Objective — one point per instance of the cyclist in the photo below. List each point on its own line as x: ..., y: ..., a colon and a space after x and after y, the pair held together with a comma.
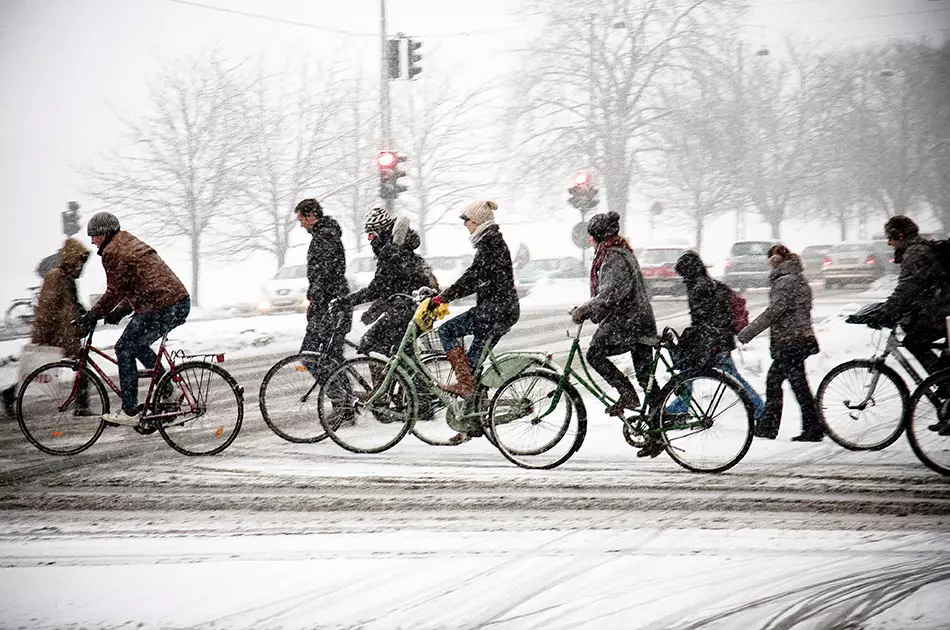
x: 491, y: 278
x: 399, y: 269
x: 58, y: 306
x: 709, y: 312
x: 138, y: 282
x: 792, y: 341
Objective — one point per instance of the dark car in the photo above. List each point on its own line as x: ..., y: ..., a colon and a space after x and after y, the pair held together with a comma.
x: 659, y: 275
x: 747, y: 264
x: 813, y: 259
x: 857, y: 262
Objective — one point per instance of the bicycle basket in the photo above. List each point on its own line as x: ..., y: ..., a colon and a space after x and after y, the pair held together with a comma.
x: 429, y: 342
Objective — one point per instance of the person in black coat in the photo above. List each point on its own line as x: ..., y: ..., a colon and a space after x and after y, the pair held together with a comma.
x: 491, y: 278
x: 399, y: 270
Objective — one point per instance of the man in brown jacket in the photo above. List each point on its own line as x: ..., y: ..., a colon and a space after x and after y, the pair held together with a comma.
x: 138, y: 282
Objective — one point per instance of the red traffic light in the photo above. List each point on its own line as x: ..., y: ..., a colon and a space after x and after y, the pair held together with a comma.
x: 581, y: 178
x: 387, y: 159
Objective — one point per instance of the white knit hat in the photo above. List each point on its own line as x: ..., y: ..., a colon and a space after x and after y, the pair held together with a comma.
x: 479, y: 212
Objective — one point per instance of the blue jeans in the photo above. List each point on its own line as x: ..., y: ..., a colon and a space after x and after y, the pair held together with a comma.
x: 144, y: 330
x: 725, y: 363
x: 452, y: 332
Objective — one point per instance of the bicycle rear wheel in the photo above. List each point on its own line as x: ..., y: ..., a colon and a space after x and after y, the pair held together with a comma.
x: 535, y: 421
x: 48, y: 414
x: 431, y: 426
x: 862, y: 405
x: 929, y: 413
x: 206, y: 411
x: 351, y: 421
x: 715, y: 432
x: 289, y: 400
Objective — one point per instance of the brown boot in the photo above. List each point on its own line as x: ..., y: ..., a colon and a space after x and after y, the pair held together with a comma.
x: 465, y: 385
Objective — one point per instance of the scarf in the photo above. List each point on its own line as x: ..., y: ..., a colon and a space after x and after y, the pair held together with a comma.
x: 599, y: 254
x: 480, y: 231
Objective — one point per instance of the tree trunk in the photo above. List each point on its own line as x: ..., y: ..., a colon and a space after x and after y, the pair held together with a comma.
x: 195, y: 268
x: 699, y: 231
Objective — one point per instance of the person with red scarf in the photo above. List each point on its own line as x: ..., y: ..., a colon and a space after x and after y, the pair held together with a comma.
x: 620, y: 306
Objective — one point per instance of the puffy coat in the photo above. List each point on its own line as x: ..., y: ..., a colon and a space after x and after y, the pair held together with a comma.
x: 326, y: 266
x: 789, y: 311
x: 621, y: 307
x: 921, y: 299
x: 136, y: 277
x: 709, y: 304
x: 491, y: 277
x: 59, y: 303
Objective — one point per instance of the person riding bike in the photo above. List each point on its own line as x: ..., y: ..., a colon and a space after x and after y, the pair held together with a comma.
x: 620, y: 306
x: 138, y: 282
x: 491, y: 277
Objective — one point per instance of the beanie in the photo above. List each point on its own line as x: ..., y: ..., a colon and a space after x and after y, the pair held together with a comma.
x: 690, y: 265
x: 102, y: 224
x: 378, y: 220
x: 603, y: 226
x: 479, y: 212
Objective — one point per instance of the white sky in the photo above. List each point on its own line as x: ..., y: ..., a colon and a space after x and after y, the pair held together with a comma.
x: 69, y: 69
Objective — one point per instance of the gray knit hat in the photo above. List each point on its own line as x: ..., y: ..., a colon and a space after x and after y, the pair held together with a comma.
x: 479, y: 212
x: 377, y: 220
x: 102, y: 224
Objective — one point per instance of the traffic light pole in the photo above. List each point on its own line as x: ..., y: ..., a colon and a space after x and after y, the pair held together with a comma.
x: 384, y: 114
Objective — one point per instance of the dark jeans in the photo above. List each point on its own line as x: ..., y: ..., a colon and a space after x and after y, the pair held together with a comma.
x: 920, y: 344
x: 386, y: 332
x: 143, y: 330
x: 452, y: 332
x: 642, y: 355
x: 788, y: 366
x: 724, y: 362
x: 325, y: 335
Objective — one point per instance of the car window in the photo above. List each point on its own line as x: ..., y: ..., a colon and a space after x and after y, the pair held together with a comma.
x: 751, y: 248
x: 816, y: 250
x: 296, y: 271
x: 660, y: 256
x: 845, y: 248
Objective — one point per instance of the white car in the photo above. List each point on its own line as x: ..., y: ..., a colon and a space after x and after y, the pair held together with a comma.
x: 360, y: 271
x: 286, y: 291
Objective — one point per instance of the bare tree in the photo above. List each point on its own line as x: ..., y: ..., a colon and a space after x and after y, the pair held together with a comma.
x: 182, y: 161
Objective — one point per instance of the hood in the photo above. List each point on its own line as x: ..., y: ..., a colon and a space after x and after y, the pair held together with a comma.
x: 900, y: 249
x: 787, y: 267
x: 404, y: 236
x: 690, y: 266
x: 327, y: 227
x: 72, y: 257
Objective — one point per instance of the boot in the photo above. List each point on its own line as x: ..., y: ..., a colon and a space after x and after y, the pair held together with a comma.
x: 812, y: 429
x: 82, y: 400
x: 628, y: 400
x: 465, y: 382
x: 766, y: 427
x: 9, y: 397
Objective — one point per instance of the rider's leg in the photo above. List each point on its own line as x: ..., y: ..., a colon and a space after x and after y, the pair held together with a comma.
x: 725, y: 363
x: 451, y: 333
x: 642, y: 356
x: 597, y: 356
x: 920, y: 344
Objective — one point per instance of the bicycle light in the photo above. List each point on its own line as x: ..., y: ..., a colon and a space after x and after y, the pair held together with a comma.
x: 219, y: 357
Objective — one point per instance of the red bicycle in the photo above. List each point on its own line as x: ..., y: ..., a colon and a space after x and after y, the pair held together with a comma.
x: 60, y: 405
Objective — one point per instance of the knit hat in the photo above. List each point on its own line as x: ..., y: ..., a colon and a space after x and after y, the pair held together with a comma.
x: 309, y: 207
x: 603, y: 226
x: 378, y: 220
x: 479, y: 212
x: 690, y: 266
x: 102, y: 224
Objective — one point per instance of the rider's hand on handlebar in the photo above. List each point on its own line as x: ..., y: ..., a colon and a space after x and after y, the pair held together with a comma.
x: 436, y: 302
x: 85, y: 323
x: 579, y: 314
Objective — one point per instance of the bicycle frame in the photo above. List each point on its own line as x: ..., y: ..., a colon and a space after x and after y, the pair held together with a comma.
x: 892, y: 347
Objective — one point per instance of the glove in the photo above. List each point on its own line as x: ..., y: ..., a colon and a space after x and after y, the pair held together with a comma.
x: 579, y: 314
x: 369, y: 316
x: 436, y: 302
x: 116, y: 315
x: 85, y: 323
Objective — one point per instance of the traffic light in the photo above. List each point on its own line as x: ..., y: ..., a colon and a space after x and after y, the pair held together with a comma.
x: 393, y: 65
x: 583, y: 192
x: 413, y: 59
x: 71, y: 219
x: 389, y: 174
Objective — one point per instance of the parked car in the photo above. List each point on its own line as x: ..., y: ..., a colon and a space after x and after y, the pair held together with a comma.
x: 747, y: 264
x: 857, y: 262
x: 539, y: 269
x: 657, y: 265
x: 813, y: 259
x: 286, y: 291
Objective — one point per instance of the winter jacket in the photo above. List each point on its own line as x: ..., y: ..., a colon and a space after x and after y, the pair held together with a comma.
x: 136, y: 277
x: 921, y: 299
x: 491, y: 277
x: 326, y: 265
x: 789, y: 310
x: 709, y: 303
x: 621, y: 307
x: 59, y: 302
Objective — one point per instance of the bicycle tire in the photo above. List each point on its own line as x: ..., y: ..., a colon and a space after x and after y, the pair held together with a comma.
x: 19, y: 316
x: 349, y: 422
x: 516, y: 400
x: 193, y: 431
x: 931, y: 448
x: 716, y: 435
x: 293, y: 415
x: 431, y: 425
x: 38, y: 415
x: 868, y: 430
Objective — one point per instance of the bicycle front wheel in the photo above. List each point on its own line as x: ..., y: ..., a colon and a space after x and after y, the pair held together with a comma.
x: 535, y: 421
x: 715, y: 431
x: 862, y: 405
x: 289, y: 400
x: 432, y: 424
x: 929, y: 417
x: 205, y: 413
x: 52, y: 414
x: 362, y: 415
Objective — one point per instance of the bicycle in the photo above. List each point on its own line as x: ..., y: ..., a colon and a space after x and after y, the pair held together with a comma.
x: 21, y: 313
x: 375, y: 401
x: 863, y: 403
x: 928, y: 423
x: 713, y: 435
x: 191, y: 417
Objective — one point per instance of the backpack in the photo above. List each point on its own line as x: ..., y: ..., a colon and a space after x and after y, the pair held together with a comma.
x: 737, y: 310
x: 941, y: 250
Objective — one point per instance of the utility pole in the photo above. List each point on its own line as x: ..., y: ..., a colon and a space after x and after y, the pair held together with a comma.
x: 386, y: 140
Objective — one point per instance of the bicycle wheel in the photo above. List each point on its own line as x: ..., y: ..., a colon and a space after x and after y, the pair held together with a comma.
x: 48, y: 414
x: 862, y: 405
x: 19, y: 317
x: 289, y: 401
x: 207, y: 409
x: 715, y: 433
x: 535, y: 421
x: 431, y: 425
x: 928, y: 410
x: 348, y: 417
